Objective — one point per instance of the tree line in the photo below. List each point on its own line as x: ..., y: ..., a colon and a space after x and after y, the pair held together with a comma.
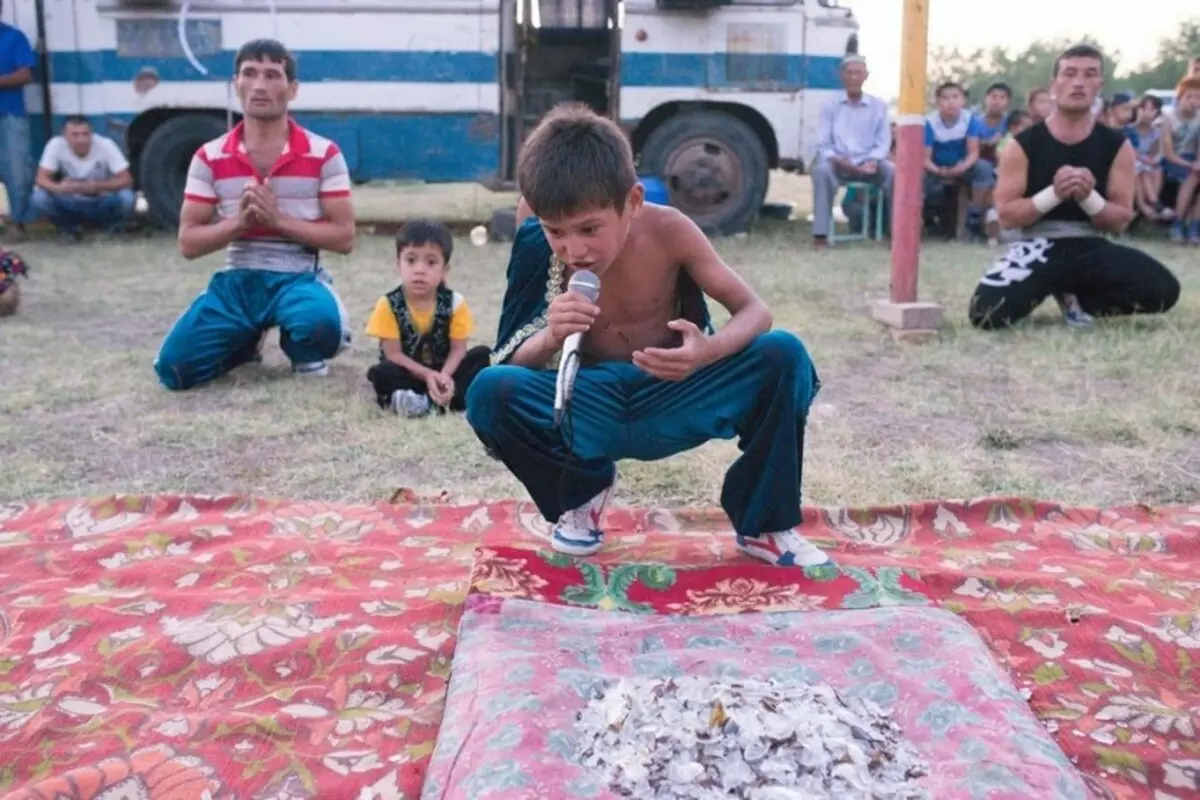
x: 1033, y: 66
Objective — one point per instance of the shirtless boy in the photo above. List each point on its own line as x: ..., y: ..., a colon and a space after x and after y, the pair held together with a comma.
x: 655, y: 379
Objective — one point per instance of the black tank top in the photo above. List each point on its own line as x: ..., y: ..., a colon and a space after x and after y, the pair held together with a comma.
x: 1047, y: 155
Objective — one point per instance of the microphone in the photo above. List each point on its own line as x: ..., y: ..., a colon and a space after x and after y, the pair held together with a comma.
x: 586, y: 283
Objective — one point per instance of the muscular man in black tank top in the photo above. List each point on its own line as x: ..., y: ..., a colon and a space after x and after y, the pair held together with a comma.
x: 1066, y: 183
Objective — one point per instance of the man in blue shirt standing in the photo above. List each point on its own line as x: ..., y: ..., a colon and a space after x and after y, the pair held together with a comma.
x: 952, y: 137
x: 16, y: 161
x: 854, y: 138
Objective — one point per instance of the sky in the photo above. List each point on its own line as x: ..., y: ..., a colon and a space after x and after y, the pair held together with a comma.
x: 1012, y: 24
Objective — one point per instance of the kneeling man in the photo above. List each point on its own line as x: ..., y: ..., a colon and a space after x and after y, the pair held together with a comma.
x: 273, y: 194
x: 83, y: 180
x: 654, y: 379
x: 1067, y: 182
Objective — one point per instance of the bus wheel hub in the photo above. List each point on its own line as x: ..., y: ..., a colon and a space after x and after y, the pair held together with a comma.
x: 702, y: 175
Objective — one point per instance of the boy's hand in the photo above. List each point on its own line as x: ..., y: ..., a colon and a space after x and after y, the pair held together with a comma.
x: 570, y: 313
x: 440, y: 387
x: 676, y: 363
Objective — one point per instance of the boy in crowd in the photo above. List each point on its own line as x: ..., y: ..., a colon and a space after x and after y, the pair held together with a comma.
x: 423, y: 327
x: 952, y: 138
x: 1180, y: 144
x: 1122, y: 111
x: 993, y: 124
x: 654, y: 379
x: 1039, y: 104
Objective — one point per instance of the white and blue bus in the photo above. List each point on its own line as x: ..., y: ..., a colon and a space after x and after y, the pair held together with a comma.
x: 713, y: 93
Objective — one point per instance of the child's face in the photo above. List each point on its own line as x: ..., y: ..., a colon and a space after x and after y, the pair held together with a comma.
x: 950, y: 102
x: 1124, y: 113
x: 1022, y: 124
x: 1190, y: 100
x: 1041, y: 106
x: 996, y: 101
x: 422, y: 268
x: 1147, y: 113
x: 592, y: 239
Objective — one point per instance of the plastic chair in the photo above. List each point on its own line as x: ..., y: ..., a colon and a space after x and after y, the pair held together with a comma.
x: 872, y: 195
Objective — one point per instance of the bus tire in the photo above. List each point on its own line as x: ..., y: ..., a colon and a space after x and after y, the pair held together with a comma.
x: 165, y: 158
x: 714, y: 167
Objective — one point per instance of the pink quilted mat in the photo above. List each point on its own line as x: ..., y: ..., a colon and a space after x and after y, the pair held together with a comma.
x: 524, y: 669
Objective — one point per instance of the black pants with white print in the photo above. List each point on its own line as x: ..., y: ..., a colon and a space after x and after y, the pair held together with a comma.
x: 1108, y: 280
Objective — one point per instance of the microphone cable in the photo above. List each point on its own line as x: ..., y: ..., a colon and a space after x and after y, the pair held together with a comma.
x: 567, y: 432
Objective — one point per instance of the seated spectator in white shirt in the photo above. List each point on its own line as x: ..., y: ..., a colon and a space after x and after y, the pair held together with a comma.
x: 83, y: 180
x: 854, y: 139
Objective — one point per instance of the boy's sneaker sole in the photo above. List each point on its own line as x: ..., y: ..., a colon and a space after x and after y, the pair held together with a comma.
x: 577, y: 547
x: 316, y: 368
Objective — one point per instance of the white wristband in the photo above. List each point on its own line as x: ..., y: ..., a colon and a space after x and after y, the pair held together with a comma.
x: 1094, y: 204
x: 1046, y: 200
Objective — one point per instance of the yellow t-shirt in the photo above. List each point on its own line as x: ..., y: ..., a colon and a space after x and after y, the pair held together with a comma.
x: 384, y: 325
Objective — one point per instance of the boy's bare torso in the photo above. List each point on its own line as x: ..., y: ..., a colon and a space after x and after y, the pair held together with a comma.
x: 639, y: 292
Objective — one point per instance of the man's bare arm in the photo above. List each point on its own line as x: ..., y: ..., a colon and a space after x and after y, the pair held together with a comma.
x: 16, y: 79
x: 122, y: 180
x: 335, y: 233
x: 1015, y: 210
x: 749, y: 315
x: 1118, y: 211
x: 45, y: 180
x: 199, y: 235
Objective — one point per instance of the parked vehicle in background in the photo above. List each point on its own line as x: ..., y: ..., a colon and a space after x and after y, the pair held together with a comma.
x: 713, y: 93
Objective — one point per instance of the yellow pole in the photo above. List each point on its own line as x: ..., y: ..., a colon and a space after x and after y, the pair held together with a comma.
x: 913, y: 56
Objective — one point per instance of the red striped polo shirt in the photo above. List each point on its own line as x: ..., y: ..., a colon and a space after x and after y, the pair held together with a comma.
x: 310, y: 168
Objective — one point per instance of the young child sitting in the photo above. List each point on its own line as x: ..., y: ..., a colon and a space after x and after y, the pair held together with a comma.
x: 654, y: 380
x: 1146, y: 137
x: 423, y: 327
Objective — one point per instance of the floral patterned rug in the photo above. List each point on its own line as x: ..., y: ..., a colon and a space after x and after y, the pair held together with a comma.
x: 184, y: 647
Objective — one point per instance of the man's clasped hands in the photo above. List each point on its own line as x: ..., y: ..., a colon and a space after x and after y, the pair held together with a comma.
x: 258, y: 206
x: 1074, y: 183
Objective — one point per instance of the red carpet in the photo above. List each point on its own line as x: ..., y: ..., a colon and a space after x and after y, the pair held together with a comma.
x: 166, y: 647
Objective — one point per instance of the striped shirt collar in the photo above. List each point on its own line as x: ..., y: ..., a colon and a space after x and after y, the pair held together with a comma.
x: 296, y: 144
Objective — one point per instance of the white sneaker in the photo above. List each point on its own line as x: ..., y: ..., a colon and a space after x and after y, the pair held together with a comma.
x: 785, y: 549
x: 578, y: 532
x: 408, y: 403
x: 317, y: 368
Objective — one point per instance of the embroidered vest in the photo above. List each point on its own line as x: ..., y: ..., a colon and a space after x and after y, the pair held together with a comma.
x: 430, y: 349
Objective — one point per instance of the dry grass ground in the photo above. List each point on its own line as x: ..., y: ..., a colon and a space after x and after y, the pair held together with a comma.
x: 1110, y: 415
